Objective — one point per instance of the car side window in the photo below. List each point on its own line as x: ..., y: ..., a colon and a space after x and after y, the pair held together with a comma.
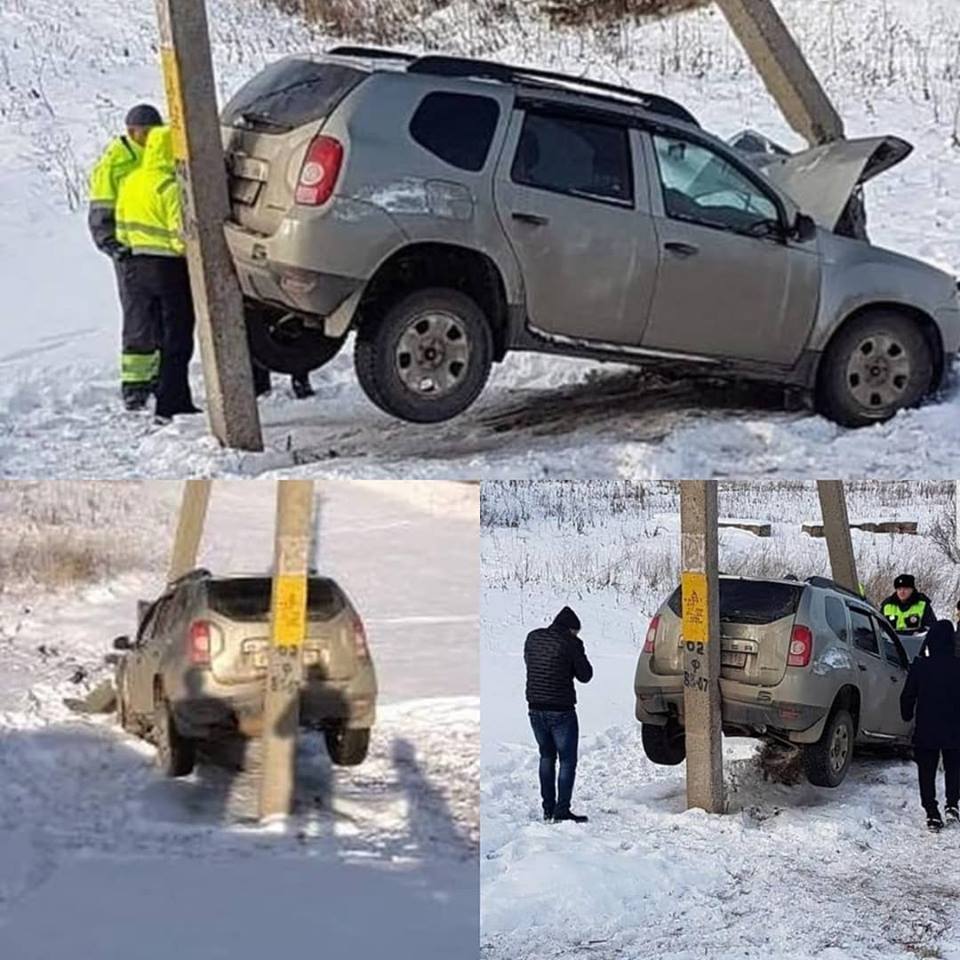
x: 892, y: 650
x: 703, y: 187
x: 864, y: 635
x: 836, y: 614
x: 574, y: 156
x: 456, y: 127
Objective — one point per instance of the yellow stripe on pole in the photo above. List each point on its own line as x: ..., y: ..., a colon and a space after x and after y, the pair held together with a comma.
x: 171, y: 83
x: 289, y: 610
x: 694, y: 589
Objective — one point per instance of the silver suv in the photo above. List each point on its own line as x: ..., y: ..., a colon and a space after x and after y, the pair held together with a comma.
x: 196, y: 669
x: 450, y: 210
x: 803, y: 663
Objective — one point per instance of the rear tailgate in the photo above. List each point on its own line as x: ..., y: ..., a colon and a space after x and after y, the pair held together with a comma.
x: 267, y: 127
x: 756, y: 621
x: 241, y: 609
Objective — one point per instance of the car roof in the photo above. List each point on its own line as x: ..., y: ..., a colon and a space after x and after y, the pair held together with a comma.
x: 529, y: 80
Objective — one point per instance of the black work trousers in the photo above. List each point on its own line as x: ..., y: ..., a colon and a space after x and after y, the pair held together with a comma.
x: 927, y: 763
x: 159, y: 287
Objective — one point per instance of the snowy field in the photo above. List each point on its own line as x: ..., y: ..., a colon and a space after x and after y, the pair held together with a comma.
x: 67, y: 72
x: 789, y: 872
x: 102, y: 858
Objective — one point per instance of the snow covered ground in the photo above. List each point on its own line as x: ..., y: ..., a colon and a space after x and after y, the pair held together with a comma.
x: 67, y: 71
x: 102, y: 858
x: 789, y: 872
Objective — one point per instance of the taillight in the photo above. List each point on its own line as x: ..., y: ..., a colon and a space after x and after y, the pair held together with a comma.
x: 650, y: 643
x: 318, y: 175
x: 198, y: 643
x: 360, y: 639
x: 801, y: 647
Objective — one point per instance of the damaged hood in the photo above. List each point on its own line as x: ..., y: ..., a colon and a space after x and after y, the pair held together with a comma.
x: 822, y: 180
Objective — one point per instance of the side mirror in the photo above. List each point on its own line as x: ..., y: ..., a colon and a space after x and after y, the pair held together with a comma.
x: 804, y: 228
x: 122, y: 643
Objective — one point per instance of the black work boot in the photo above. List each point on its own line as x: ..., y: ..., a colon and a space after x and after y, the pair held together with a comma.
x: 934, y: 821
x: 135, y: 395
x: 547, y: 816
x: 564, y: 813
x: 301, y: 386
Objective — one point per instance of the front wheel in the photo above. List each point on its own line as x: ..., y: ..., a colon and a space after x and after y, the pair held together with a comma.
x: 877, y: 364
x: 827, y: 761
x: 347, y: 748
x: 427, y: 358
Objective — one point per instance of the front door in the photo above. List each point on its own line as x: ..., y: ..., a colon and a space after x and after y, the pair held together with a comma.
x: 872, y: 670
x: 730, y: 284
x: 895, y: 667
x: 572, y: 197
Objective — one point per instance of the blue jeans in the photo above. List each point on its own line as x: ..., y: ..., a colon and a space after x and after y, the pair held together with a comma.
x: 557, y: 733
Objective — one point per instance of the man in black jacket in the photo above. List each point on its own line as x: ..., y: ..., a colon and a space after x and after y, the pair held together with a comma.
x: 555, y: 657
x: 931, y: 693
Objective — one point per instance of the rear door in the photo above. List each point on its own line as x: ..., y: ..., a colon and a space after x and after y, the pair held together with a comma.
x: 572, y: 197
x: 730, y: 283
x: 240, y: 611
x: 268, y: 125
x: 873, y: 671
x: 142, y: 661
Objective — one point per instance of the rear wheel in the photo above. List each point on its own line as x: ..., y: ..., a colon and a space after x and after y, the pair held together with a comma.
x: 176, y: 755
x: 666, y: 745
x: 427, y: 358
x: 827, y: 761
x: 347, y: 748
x: 281, y: 341
x: 877, y: 364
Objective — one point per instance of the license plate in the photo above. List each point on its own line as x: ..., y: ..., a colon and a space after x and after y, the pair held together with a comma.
x: 732, y: 658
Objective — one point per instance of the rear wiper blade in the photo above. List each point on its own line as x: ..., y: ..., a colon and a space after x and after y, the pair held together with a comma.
x: 257, y: 120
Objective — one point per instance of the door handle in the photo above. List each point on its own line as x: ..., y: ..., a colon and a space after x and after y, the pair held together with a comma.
x: 862, y: 667
x: 681, y: 249
x: 534, y: 219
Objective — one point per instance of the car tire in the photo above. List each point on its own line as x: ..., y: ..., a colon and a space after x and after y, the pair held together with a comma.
x: 666, y: 745
x: 877, y: 364
x: 827, y: 761
x: 176, y: 755
x: 347, y: 747
x: 440, y: 334
x: 281, y: 342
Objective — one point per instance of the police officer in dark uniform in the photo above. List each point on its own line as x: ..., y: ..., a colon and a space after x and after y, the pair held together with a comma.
x: 908, y: 610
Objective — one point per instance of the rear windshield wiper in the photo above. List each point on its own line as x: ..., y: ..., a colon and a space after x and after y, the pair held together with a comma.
x: 257, y: 121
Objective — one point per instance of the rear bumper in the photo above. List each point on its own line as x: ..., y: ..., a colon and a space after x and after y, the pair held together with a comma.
x: 798, y: 721
x: 222, y: 709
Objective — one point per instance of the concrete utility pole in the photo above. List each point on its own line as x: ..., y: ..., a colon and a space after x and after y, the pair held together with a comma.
x: 784, y: 70
x: 701, y: 640
x: 281, y: 709
x: 836, y: 528
x: 186, y: 542
x: 192, y: 105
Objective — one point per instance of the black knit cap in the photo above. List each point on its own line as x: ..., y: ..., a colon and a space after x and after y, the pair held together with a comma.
x: 143, y: 115
x: 566, y: 619
x: 905, y: 580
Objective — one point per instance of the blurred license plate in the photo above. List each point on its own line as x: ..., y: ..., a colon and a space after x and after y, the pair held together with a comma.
x: 310, y: 658
x: 732, y: 658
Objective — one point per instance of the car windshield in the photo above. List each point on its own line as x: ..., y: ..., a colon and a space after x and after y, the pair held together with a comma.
x: 290, y: 93
x: 248, y: 598
x: 750, y: 601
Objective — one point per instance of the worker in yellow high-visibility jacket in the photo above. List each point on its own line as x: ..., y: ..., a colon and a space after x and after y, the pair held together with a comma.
x: 140, y: 358
x: 149, y: 225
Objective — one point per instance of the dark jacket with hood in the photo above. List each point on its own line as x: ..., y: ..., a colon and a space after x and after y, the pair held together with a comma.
x: 555, y: 657
x: 932, y: 692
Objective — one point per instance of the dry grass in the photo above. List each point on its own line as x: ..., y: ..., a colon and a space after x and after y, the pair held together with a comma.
x: 598, y: 12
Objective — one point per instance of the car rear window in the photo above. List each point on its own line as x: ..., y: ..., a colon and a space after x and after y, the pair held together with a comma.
x: 248, y: 598
x: 750, y: 601
x: 456, y: 127
x: 290, y: 93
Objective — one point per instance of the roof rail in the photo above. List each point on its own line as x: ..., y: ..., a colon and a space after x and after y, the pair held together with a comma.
x: 372, y: 53
x: 484, y: 69
x: 833, y: 585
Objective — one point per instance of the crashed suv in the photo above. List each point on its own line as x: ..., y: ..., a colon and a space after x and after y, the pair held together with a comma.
x: 450, y: 210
